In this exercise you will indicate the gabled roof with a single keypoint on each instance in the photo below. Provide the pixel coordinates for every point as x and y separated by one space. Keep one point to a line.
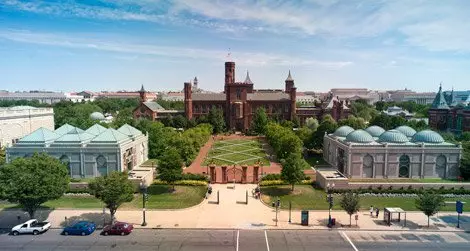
41 135
96 129
76 138
154 106
208 96
110 136
268 96
129 130
439 101
68 129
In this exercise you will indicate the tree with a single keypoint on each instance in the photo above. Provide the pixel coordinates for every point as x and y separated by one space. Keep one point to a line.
328 125
260 120
32 181
350 203
216 119
292 169
113 189
354 122
2 156
179 121
296 122
312 124
429 203
170 166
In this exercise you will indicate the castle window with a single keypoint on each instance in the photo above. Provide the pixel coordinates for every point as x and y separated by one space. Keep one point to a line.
239 93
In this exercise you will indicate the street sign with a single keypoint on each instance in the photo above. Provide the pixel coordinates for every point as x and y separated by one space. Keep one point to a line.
459 206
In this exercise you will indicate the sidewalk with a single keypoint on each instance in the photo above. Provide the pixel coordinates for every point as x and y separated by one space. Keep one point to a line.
233 213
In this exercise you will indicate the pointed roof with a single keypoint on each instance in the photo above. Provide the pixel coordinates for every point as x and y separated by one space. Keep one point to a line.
195 79
439 101
64 129
96 129
453 99
289 77
129 130
76 138
247 79
110 136
41 135
142 89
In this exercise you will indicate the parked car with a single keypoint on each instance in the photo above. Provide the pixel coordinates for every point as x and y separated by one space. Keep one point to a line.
118 228
80 228
32 226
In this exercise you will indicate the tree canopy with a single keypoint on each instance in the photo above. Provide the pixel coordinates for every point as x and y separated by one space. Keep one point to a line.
32 181
217 120
429 203
260 120
327 125
283 140
2 156
170 166
113 189
292 169
350 202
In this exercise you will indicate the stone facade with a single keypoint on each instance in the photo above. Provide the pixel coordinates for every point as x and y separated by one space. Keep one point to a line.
18 121
94 152
416 158
149 109
448 114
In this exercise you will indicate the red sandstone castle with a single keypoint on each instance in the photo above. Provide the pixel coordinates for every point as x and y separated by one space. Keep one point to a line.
239 101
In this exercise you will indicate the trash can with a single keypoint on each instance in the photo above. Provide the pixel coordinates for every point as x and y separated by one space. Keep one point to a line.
333 221
304 218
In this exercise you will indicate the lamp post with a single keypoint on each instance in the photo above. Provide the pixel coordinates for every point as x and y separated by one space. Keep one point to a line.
329 188
143 189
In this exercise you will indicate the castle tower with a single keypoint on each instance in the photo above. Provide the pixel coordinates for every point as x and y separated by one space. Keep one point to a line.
292 91
439 112
188 101
195 87
143 95
289 83
229 72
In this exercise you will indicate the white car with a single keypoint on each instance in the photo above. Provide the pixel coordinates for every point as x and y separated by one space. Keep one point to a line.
31 227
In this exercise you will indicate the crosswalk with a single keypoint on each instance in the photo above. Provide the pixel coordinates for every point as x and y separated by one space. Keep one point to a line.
392 236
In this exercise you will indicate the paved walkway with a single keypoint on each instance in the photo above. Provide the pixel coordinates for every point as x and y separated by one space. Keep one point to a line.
233 213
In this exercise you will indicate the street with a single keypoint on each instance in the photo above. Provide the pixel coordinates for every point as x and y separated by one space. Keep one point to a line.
240 240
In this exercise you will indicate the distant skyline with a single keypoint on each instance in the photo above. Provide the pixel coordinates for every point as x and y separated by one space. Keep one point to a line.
121 44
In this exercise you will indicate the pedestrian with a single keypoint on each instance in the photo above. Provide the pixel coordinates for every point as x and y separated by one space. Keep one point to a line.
371 210
377 210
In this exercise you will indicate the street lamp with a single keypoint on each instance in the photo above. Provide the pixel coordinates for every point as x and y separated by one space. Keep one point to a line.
143 190
329 189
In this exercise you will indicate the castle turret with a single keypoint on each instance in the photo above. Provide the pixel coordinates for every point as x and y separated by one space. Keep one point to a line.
143 95
195 87
289 83
229 72
292 91
188 101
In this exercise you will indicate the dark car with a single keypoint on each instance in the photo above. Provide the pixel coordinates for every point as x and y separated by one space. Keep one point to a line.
118 228
80 228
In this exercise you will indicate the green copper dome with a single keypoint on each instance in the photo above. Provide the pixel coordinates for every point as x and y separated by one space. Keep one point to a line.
97 116
393 136
408 131
359 136
427 136
343 131
375 131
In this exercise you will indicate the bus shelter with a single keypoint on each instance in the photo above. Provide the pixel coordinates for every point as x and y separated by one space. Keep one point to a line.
391 212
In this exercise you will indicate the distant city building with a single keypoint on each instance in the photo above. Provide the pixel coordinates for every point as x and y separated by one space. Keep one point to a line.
89 153
125 95
42 97
353 94
18 121
150 109
303 98
449 114
398 111
422 98
172 96
399 153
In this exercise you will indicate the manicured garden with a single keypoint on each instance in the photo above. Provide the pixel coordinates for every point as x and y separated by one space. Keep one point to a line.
160 197
308 198
237 152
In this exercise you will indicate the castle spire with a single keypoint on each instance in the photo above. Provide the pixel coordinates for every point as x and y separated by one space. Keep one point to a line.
142 89
247 79
289 77
439 101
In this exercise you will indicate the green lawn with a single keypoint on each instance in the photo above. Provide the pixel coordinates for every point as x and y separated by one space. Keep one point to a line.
159 198
308 198
315 159
404 180
230 152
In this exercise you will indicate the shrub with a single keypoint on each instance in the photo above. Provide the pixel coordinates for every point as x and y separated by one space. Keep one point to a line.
272 183
194 176
183 183
78 190
272 176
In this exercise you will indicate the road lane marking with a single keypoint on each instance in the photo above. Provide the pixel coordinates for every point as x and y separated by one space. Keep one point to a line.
238 237
347 238
266 237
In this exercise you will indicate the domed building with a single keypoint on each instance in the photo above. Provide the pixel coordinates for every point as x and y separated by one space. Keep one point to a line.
397 153
97 116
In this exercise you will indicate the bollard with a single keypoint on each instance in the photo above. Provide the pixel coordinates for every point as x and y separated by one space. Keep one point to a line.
217 197
290 209
246 197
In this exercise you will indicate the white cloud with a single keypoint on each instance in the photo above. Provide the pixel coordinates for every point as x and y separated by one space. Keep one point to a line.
241 57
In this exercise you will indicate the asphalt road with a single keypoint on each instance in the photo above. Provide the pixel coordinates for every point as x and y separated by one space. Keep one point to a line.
234 240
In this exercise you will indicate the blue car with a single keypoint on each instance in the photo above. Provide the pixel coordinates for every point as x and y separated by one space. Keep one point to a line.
80 228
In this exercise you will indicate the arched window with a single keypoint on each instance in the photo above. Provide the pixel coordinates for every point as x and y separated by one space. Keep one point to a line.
404 167
367 166
441 163
65 159
102 165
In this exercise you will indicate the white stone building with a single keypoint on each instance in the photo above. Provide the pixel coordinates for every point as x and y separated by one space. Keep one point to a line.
18 121
88 153
399 153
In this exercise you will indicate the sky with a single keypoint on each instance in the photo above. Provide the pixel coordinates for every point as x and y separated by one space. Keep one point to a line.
74 45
